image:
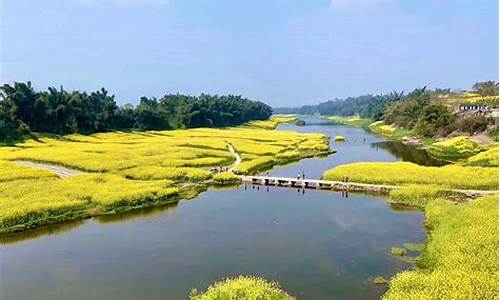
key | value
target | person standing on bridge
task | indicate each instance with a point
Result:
(298, 176)
(303, 175)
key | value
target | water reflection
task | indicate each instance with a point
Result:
(409, 153)
(166, 209)
(53, 229)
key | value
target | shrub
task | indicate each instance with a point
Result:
(339, 138)
(471, 124)
(242, 288)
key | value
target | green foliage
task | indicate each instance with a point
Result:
(456, 148)
(406, 113)
(366, 106)
(417, 113)
(22, 109)
(404, 173)
(242, 288)
(435, 120)
(460, 260)
(339, 138)
(471, 124)
(486, 88)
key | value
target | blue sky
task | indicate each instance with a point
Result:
(282, 52)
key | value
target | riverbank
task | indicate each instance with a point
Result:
(457, 148)
(460, 256)
(120, 171)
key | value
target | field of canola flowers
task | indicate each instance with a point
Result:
(404, 173)
(125, 170)
(460, 260)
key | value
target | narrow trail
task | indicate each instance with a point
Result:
(62, 172)
(236, 155)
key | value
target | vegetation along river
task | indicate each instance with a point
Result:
(316, 244)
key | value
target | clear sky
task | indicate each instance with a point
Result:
(282, 52)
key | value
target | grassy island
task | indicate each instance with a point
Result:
(242, 287)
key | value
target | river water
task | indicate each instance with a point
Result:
(317, 244)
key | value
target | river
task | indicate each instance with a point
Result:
(316, 244)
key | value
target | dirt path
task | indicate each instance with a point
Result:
(236, 155)
(59, 170)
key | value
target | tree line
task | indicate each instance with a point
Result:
(418, 110)
(366, 106)
(24, 110)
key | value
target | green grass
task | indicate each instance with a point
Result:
(460, 260)
(242, 288)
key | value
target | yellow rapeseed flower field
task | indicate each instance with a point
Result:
(488, 158)
(460, 260)
(128, 169)
(403, 173)
(456, 148)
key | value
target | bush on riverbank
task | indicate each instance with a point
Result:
(242, 288)
(460, 260)
(339, 138)
(403, 173)
(456, 148)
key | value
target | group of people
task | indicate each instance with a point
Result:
(216, 170)
(301, 175)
